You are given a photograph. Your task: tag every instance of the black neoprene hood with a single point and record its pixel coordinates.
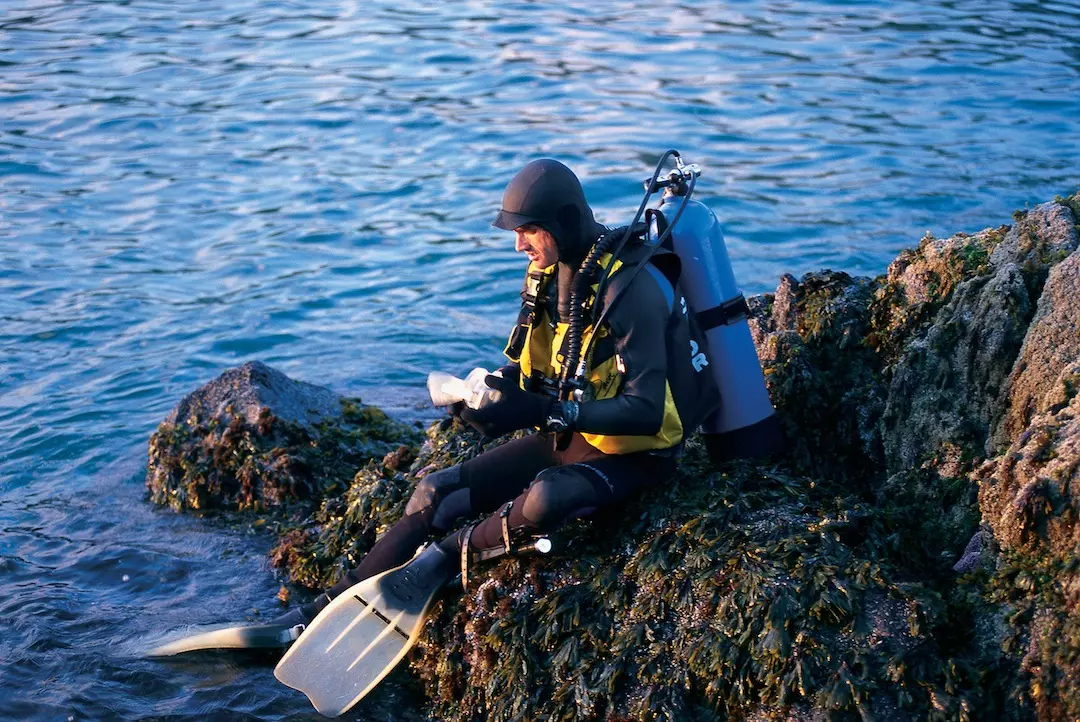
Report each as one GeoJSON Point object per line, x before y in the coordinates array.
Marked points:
{"type": "Point", "coordinates": [546, 193]}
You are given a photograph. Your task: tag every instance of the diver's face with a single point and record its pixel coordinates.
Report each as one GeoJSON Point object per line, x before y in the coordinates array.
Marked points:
{"type": "Point", "coordinates": [537, 244]}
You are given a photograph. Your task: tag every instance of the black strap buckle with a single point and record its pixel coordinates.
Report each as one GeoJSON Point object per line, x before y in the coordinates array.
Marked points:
{"type": "Point", "coordinates": [534, 282]}
{"type": "Point", "coordinates": [725, 314]}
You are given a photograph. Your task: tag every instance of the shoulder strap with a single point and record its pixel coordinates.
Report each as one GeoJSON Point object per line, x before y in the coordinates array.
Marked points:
{"type": "Point", "coordinates": [534, 283]}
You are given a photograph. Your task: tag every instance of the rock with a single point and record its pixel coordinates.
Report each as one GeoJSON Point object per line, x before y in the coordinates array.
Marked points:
{"type": "Point", "coordinates": [946, 381]}
{"type": "Point", "coordinates": [1041, 238]}
{"type": "Point", "coordinates": [785, 303]}
{"type": "Point", "coordinates": [246, 390]}
{"type": "Point", "coordinates": [821, 377]}
{"type": "Point", "coordinates": [1052, 343]}
{"type": "Point", "coordinates": [1030, 495]}
{"type": "Point", "coordinates": [253, 438]}
{"type": "Point", "coordinates": [973, 552]}
{"type": "Point", "coordinates": [920, 281]}
{"type": "Point", "coordinates": [1030, 499]}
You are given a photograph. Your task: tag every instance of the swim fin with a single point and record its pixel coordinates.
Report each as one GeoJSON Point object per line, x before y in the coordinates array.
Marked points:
{"type": "Point", "coordinates": [249, 636]}
{"type": "Point", "coordinates": [363, 634]}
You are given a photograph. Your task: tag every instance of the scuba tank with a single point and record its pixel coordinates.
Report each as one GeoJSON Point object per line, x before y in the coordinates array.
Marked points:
{"type": "Point", "coordinates": [745, 424]}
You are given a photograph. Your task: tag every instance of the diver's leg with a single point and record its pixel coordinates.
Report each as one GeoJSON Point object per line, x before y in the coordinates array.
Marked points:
{"type": "Point", "coordinates": [440, 499]}
{"type": "Point", "coordinates": [561, 493]}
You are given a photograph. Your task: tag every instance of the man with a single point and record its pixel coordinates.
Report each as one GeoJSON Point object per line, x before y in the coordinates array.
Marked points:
{"type": "Point", "coordinates": [594, 450]}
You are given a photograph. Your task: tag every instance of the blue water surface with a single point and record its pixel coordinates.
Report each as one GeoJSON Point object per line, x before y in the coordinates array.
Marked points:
{"type": "Point", "coordinates": [185, 186]}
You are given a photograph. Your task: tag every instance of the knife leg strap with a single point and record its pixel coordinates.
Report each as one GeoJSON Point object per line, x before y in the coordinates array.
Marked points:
{"type": "Point", "coordinates": [504, 517]}
{"type": "Point", "coordinates": [466, 555]}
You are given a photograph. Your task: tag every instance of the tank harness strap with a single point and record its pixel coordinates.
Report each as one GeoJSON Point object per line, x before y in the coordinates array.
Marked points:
{"type": "Point", "coordinates": [527, 316]}
{"type": "Point", "coordinates": [725, 314]}
{"type": "Point", "coordinates": [661, 225]}
{"type": "Point", "coordinates": [466, 536]}
{"type": "Point", "coordinates": [504, 517]}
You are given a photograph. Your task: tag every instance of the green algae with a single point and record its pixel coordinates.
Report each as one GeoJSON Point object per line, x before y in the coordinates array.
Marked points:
{"type": "Point", "coordinates": [744, 588]}
{"type": "Point", "coordinates": [212, 463]}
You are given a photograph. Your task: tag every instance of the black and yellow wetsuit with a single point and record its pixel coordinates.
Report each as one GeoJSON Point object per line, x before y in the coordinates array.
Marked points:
{"type": "Point", "coordinates": [645, 395]}
{"type": "Point", "coordinates": [646, 391]}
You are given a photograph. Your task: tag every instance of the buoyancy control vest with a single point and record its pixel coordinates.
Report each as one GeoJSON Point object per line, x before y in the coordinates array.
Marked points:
{"type": "Point", "coordinates": [537, 345]}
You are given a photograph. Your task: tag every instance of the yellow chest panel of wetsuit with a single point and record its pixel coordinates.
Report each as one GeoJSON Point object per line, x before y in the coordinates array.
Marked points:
{"type": "Point", "coordinates": [540, 353]}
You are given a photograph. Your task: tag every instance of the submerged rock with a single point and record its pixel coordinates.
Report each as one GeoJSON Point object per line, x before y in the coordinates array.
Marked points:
{"type": "Point", "coordinates": [837, 581]}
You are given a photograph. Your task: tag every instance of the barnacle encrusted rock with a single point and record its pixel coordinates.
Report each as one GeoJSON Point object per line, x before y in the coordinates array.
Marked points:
{"type": "Point", "coordinates": [837, 581]}
{"type": "Point", "coordinates": [945, 386]}
{"type": "Point", "coordinates": [1030, 499]}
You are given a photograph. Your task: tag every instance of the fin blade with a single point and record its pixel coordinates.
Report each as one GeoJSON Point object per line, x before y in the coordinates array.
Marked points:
{"type": "Point", "coordinates": [369, 638]}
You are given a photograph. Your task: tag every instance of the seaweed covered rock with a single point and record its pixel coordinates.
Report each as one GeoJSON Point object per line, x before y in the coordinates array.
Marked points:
{"type": "Point", "coordinates": [939, 400]}
{"type": "Point", "coordinates": [822, 379]}
{"type": "Point", "coordinates": [1052, 343]}
{"type": "Point", "coordinates": [712, 598]}
{"type": "Point", "coordinates": [945, 386]}
{"type": "Point", "coordinates": [1030, 499]}
{"type": "Point", "coordinates": [254, 438]}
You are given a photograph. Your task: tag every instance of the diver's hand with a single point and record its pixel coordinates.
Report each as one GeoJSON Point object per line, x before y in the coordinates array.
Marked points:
{"type": "Point", "coordinates": [517, 409]}
{"type": "Point", "coordinates": [455, 410]}
{"type": "Point", "coordinates": [510, 373]}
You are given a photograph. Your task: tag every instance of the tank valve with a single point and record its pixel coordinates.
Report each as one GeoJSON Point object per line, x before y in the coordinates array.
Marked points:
{"type": "Point", "coordinates": [676, 179]}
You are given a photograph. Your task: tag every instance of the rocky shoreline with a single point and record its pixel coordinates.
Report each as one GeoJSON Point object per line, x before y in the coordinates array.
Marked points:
{"type": "Point", "coordinates": [914, 555]}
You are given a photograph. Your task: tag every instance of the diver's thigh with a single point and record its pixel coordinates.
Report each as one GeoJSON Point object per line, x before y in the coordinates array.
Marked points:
{"type": "Point", "coordinates": [616, 478]}
{"type": "Point", "coordinates": [501, 474]}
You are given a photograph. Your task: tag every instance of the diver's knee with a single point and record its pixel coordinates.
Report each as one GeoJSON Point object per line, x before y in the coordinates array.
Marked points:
{"type": "Point", "coordinates": [557, 494]}
{"type": "Point", "coordinates": [432, 489]}
{"type": "Point", "coordinates": [450, 508]}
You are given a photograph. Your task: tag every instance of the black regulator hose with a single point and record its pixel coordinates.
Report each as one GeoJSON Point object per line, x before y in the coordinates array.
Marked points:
{"type": "Point", "coordinates": [650, 189]}
{"type": "Point", "coordinates": [578, 293]}
{"type": "Point", "coordinates": [568, 381]}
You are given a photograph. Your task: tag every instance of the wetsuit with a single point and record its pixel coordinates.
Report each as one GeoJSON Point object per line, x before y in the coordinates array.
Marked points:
{"type": "Point", "coordinates": [650, 333]}
{"type": "Point", "coordinates": [647, 395]}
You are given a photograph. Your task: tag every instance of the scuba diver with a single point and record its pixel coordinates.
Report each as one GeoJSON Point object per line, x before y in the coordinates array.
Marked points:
{"type": "Point", "coordinates": [643, 394]}
{"type": "Point", "coordinates": [610, 365]}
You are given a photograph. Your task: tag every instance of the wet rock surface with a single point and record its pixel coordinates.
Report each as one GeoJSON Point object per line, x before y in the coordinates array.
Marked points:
{"type": "Point", "coordinates": [913, 555]}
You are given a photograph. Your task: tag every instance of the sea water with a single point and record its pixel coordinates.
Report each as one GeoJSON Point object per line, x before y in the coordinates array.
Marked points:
{"type": "Point", "coordinates": [187, 186]}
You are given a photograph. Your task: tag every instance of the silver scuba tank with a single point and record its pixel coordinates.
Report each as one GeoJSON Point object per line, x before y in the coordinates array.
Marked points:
{"type": "Point", "coordinates": [746, 423]}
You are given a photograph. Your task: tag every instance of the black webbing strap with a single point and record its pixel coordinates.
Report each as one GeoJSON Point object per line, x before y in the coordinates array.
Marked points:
{"type": "Point", "coordinates": [725, 314]}
{"type": "Point", "coordinates": [527, 316]}
{"type": "Point", "coordinates": [661, 225]}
